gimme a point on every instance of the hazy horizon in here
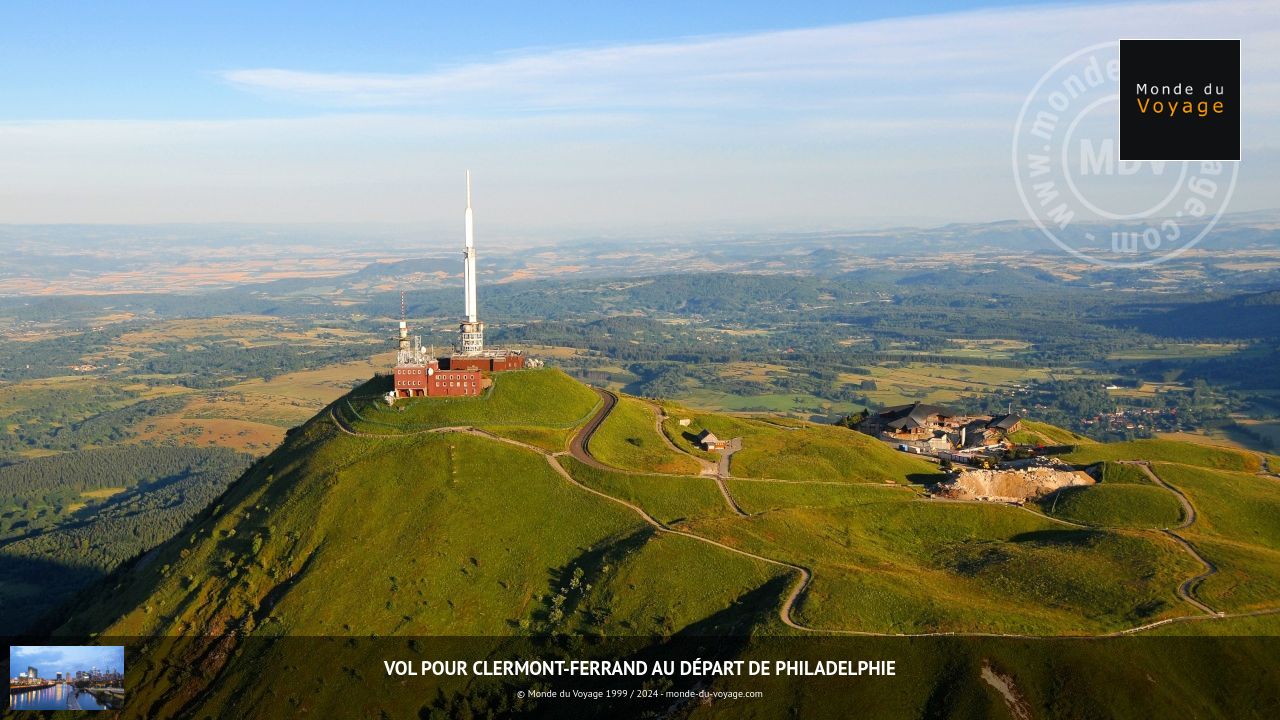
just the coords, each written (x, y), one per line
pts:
(829, 121)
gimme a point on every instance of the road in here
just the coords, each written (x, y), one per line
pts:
(581, 439)
(705, 466)
(1188, 586)
(580, 449)
(719, 471)
(731, 447)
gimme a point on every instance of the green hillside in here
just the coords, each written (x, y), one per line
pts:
(544, 398)
(1238, 529)
(1118, 505)
(885, 559)
(1168, 451)
(627, 440)
(1115, 473)
(371, 523)
(303, 521)
(800, 451)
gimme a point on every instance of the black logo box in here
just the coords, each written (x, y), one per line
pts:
(1205, 73)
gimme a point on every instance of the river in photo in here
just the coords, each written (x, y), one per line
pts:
(57, 697)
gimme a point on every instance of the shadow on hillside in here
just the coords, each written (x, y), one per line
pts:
(1048, 500)
(1074, 538)
(747, 612)
(690, 438)
(35, 590)
(569, 582)
(926, 478)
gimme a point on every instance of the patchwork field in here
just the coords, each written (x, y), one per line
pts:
(244, 435)
(899, 383)
(1177, 351)
(801, 403)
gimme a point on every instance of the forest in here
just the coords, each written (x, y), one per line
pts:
(68, 519)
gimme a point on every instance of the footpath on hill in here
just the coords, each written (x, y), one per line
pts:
(579, 448)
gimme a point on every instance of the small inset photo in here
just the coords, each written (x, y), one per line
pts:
(66, 677)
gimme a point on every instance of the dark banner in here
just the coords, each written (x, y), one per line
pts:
(765, 677)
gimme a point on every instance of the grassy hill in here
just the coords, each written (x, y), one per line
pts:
(627, 440)
(885, 559)
(793, 450)
(1238, 529)
(1115, 505)
(540, 407)
(397, 531)
(1167, 451)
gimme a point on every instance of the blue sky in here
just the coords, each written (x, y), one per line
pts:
(575, 118)
(137, 60)
(51, 659)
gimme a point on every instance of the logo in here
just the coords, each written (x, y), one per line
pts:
(1082, 196)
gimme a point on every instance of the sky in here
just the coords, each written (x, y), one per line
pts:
(574, 118)
(51, 659)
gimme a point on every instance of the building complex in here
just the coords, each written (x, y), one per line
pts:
(419, 373)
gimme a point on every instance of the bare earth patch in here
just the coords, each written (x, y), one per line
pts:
(1012, 486)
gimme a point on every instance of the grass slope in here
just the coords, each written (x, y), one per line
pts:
(341, 535)
(1119, 505)
(1036, 433)
(668, 499)
(1114, 473)
(884, 560)
(1166, 451)
(542, 398)
(628, 439)
(803, 452)
(1237, 529)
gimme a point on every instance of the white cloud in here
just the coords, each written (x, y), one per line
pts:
(835, 126)
(962, 55)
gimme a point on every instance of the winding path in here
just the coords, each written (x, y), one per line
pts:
(705, 466)
(579, 449)
(1188, 586)
(578, 445)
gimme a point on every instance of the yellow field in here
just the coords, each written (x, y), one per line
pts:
(101, 493)
(993, 347)
(251, 437)
(278, 410)
(938, 383)
(1212, 438)
(253, 415)
(317, 387)
(752, 371)
(1147, 390)
(552, 351)
(214, 268)
(246, 330)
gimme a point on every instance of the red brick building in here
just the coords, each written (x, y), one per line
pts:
(428, 380)
(490, 361)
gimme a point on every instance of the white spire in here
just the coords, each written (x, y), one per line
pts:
(469, 258)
